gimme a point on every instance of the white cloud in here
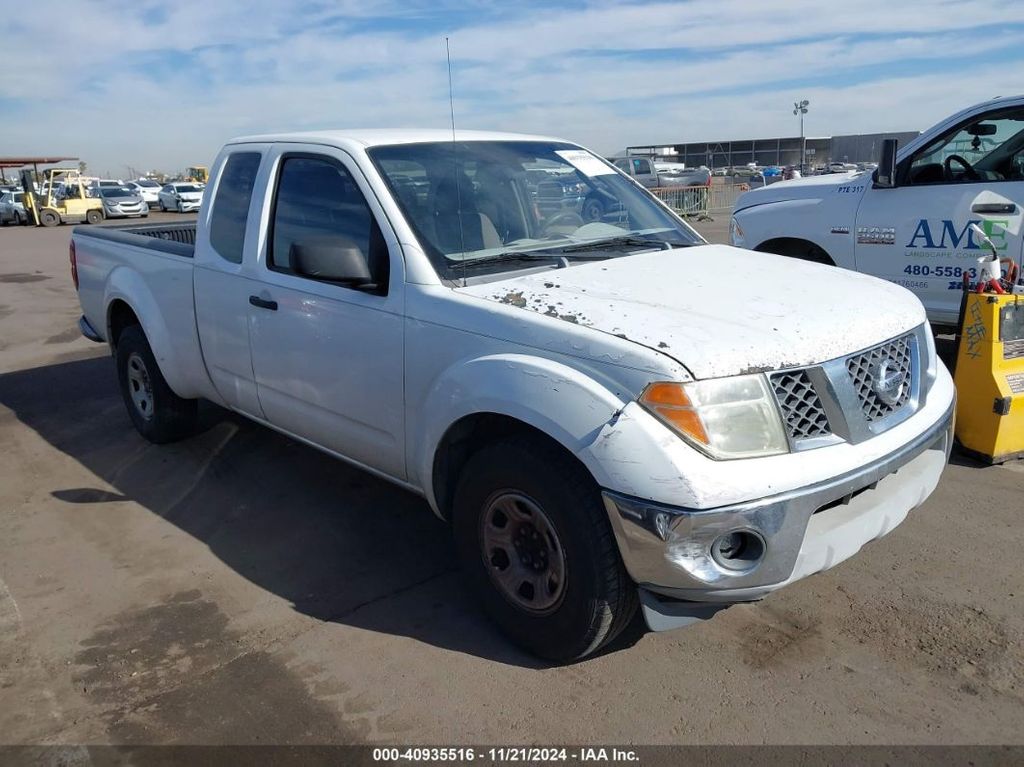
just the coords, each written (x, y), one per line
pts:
(87, 77)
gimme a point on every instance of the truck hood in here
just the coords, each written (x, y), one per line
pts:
(811, 187)
(719, 310)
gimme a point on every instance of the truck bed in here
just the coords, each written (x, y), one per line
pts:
(177, 239)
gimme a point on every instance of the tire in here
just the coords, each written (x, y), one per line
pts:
(588, 597)
(800, 250)
(163, 208)
(181, 209)
(49, 218)
(93, 216)
(158, 413)
(593, 210)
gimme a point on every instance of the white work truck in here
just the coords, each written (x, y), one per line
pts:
(608, 413)
(908, 221)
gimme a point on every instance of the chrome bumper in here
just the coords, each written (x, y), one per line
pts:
(667, 550)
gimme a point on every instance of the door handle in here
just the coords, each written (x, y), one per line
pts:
(994, 207)
(263, 303)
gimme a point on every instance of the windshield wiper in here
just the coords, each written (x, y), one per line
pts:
(511, 255)
(625, 241)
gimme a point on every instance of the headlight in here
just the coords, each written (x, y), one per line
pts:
(736, 233)
(725, 418)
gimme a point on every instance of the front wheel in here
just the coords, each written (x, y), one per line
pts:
(533, 538)
(158, 413)
(49, 218)
(93, 216)
(593, 210)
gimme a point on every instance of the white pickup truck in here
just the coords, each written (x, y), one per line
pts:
(909, 221)
(608, 413)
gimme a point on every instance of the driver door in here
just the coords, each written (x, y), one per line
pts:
(918, 234)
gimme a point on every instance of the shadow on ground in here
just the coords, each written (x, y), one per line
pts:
(332, 540)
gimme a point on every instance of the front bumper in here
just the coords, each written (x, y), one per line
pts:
(667, 550)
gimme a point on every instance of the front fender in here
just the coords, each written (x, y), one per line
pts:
(558, 400)
(818, 220)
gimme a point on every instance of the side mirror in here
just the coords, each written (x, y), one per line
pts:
(335, 259)
(885, 175)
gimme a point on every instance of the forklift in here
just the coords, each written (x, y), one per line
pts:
(197, 174)
(72, 206)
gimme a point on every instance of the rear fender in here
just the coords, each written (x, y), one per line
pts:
(127, 285)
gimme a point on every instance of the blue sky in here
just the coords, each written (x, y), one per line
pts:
(160, 85)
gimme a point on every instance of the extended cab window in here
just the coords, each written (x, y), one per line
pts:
(641, 168)
(318, 204)
(988, 148)
(231, 205)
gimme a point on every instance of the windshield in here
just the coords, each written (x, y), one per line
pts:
(508, 204)
(186, 188)
(148, 184)
(116, 192)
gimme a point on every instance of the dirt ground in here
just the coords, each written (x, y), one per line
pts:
(242, 588)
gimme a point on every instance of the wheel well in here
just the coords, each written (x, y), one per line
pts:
(119, 317)
(796, 248)
(465, 437)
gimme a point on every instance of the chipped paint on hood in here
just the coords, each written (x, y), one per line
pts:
(717, 309)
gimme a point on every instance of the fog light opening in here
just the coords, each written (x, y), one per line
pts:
(739, 550)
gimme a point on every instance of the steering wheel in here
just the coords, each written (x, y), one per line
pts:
(567, 219)
(969, 170)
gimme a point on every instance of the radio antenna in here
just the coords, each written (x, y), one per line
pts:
(455, 161)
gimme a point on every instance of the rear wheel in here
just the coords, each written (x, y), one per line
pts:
(158, 413)
(534, 540)
(49, 218)
(93, 216)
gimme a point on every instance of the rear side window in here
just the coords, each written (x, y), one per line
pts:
(317, 199)
(231, 205)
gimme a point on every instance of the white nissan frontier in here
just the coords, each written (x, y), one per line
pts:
(609, 413)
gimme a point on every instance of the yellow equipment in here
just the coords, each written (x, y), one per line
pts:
(71, 205)
(989, 377)
(198, 174)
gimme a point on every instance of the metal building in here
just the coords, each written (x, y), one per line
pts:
(773, 151)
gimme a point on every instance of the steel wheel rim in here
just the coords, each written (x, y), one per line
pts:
(139, 386)
(522, 552)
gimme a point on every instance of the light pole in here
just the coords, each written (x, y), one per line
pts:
(800, 108)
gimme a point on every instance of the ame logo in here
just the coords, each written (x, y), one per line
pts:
(945, 235)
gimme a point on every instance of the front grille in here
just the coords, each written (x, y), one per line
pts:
(801, 407)
(865, 366)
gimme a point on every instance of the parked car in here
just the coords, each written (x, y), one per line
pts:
(181, 197)
(146, 189)
(682, 176)
(601, 429)
(908, 222)
(122, 202)
(12, 211)
(841, 167)
(97, 184)
(644, 171)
